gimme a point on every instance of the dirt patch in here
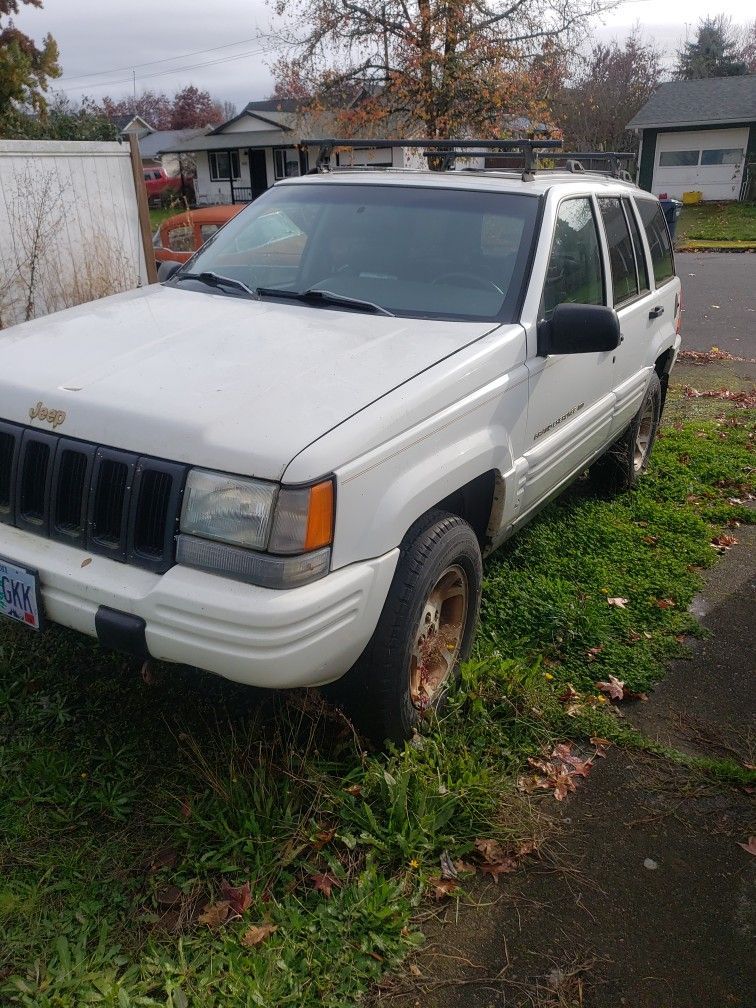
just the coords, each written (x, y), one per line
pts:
(643, 896)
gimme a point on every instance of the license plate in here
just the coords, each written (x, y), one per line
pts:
(19, 594)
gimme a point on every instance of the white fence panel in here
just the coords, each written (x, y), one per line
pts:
(69, 226)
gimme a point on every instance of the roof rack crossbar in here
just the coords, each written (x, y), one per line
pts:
(446, 152)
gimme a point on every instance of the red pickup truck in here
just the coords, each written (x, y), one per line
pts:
(158, 183)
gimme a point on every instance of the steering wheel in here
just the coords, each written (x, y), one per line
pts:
(479, 282)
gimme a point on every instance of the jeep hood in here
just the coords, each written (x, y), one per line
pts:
(230, 384)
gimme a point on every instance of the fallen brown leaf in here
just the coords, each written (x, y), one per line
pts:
(237, 897)
(443, 888)
(614, 688)
(666, 603)
(750, 846)
(496, 868)
(322, 838)
(215, 914)
(325, 883)
(620, 603)
(257, 934)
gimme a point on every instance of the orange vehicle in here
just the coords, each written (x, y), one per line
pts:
(179, 237)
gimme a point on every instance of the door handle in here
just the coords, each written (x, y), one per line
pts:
(656, 312)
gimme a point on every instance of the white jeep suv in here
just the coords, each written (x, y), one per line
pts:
(284, 463)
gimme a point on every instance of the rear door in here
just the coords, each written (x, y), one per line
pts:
(571, 400)
(631, 296)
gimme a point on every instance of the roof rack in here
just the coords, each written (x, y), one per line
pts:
(442, 154)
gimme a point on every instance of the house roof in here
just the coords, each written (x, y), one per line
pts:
(707, 102)
(204, 141)
(164, 140)
(122, 122)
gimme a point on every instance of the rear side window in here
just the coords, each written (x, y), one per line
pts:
(657, 233)
(640, 252)
(621, 254)
(574, 273)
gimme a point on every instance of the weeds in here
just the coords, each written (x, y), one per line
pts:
(125, 808)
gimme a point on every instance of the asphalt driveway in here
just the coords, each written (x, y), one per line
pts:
(719, 301)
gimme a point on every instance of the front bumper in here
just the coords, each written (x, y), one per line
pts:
(279, 639)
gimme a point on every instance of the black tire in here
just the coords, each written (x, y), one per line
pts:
(376, 693)
(622, 465)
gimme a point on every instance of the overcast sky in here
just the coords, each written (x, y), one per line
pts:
(167, 43)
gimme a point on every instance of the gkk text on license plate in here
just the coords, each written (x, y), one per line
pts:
(19, 594)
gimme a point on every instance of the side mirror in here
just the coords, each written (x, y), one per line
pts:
(166, 270)
(579, 328)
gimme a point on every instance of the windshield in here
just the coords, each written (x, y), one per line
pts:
(412, 251)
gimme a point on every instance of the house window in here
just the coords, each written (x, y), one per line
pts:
(678, 158)
(222, 163)
(286, 163)
(724, 155)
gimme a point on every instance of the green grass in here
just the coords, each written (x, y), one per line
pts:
(717, 222)
(99, 773)
(159, 214)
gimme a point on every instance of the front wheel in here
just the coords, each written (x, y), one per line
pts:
(426, 630)
(623, 464)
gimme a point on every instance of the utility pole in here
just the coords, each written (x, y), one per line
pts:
(133, 80)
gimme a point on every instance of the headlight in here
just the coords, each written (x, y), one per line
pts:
(289, 528)
(229, 508)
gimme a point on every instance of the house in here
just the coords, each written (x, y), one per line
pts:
(151, 145)
(127, 123)
(698, 135)
(265, 142)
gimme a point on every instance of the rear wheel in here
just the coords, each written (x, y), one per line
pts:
(622, 466)
(425, 631)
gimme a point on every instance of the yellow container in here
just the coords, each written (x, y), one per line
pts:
(692, 197)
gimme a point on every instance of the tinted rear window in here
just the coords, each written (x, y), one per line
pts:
(657, 233)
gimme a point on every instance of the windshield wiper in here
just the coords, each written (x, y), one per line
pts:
(314, 296)
(216, 280)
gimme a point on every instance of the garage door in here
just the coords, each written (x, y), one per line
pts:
(710, 161)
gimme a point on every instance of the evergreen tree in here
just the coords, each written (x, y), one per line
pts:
(713, 53)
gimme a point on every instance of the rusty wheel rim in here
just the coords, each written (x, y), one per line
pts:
(438, 637)
(643, 437)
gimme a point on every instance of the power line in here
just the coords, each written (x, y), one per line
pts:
(165, 59)
(165, 73)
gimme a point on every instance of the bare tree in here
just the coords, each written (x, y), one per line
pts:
(605, 91)
(453, 66)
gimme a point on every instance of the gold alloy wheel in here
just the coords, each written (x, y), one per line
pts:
(643, 436)
(438, 638)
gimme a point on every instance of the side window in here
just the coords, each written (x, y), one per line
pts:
(640, 253)
(574, 273)
(621, 256)
(181, 239)
(207, 231)
(657, 233)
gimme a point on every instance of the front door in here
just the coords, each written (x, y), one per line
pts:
(258, 172)
(570, 397)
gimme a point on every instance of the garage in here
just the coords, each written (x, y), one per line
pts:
(698, 136)
(708, 161)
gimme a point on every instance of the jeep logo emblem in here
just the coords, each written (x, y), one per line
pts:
(52, 416)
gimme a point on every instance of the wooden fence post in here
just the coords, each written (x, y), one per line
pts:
(143, 208)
